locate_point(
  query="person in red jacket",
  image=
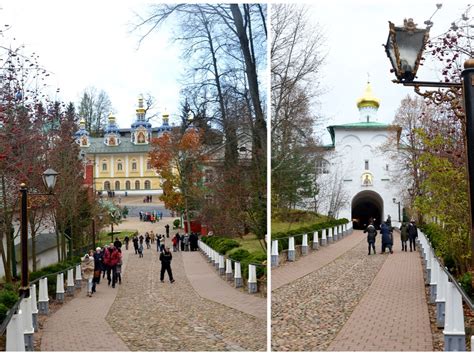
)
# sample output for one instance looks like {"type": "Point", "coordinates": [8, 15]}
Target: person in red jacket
{"type": "Point", "coordinates": [111, 259]}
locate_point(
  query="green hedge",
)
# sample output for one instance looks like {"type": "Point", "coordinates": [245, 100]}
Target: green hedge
{"type": "Point", "coordinates": [298, 233]}
{"type": "Point", "coordinates": [245, 258]}
{"type": "Point", "coordinates": [221, 244]}
{"type": "Point", "coordinates": [8, 298]}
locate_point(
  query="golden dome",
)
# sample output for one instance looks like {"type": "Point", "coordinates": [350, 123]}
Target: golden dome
{"type": "Point", "coordinates": [111, 118]}
{"type": "Point", "coordinates": [82, 121]}
{"type": "Point", "coordinates": [368, 99]}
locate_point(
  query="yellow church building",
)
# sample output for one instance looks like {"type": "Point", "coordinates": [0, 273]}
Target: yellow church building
{"type": "Point", "coordinates": [118, 162]}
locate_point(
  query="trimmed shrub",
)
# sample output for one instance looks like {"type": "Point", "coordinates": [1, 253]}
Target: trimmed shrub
{"type": "Point", "coordinates": [8, 298]}
{"type": "Point", "coordinates": [3, 312]}
{"type": "Point", "coordinates": [176, 223]}
{"type": "Point", "coordinates": [239, 254]}
{"type": "Point", "coordinates": [221, 244]}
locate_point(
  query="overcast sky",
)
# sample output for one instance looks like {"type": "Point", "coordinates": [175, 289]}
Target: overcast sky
{"type": "Point", "coordinates": [88, 43]}
{"type": "Point", "coordinates": [355, 32]}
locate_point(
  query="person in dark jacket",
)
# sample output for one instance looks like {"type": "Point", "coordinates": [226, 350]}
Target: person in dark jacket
{"type": "Point", "coordinates": [387, 240]}
{"type": "Point", "coordinates": [371, 234]}
{"type": "Point", "coordinates": [135, 244]}
{"type": "Point", "coordinates": [412, 234]}
{"type": "Point", "coordinates": [404, 235]}
{"type": "Point", "coordinates": [98, 267]}
{"type": "Point", "coordinates": [167, 228]}
{"type": "Point", "coordinates": [126, 240]}
{"type": "Point", "coordinates": [117, 243]}
{"type": "Point", "coordinates": [165, 258]}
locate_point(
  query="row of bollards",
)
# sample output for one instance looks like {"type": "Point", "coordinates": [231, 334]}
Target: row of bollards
{"type": "Point", "coordinates": [320, 238]}
{"type": "Point", "coordinates": [446, 296]}
{"type": "Point", "coordinates": [223, 266]}
{"type": "Point", "coordinates": [24, 323]}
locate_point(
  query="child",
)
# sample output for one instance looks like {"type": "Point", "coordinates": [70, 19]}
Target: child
{"type": "Point", "coordinates": [140, 250]}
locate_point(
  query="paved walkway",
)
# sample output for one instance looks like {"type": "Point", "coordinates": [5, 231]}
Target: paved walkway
{"type": "Point", "coordinates": [209, 285]}
{"type": "Point", "coordinates": [393, 314]}
{"type": "Point", "coordinates": [292, 271]}
{"type": "Point", "coordinates": [144, 314]}
{"type": "Point", "coordinates": [355, 302]}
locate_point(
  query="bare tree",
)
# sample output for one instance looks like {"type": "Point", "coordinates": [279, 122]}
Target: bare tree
{"type": "Point", "coordinates": [94, 107]}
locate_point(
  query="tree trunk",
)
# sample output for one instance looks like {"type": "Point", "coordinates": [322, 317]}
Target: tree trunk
{"type": "Point", "coordinates": [188, 219]}
{"type": "Point", "coordinates": [6, 228]}
{"type": "Point", "coordinates": [6, 265]}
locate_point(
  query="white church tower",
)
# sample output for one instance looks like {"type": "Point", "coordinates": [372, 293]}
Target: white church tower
{"type": "Point", "coordinates": [360, 168]}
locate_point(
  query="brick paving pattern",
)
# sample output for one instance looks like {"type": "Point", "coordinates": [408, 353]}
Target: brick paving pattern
{"type": "Point", "coordinates": [206, 282]}
{"type": "Point", "coordinates": [308, 313]}
{"type": "Point", "coordinates": [314, 261]}
{"type": "Point", "coordinates": [393, 314]}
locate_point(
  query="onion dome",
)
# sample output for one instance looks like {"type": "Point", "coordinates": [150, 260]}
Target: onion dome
{"type": "Point", "coordinates": [111, 126]}
{"type": "Point", "coordinates": [140, 121]}
{"type": "Point", "coordinates": [82, 136]}
{"type": "Point", "coordinates": [111, 132]}
{"type": "Point", "coordinates": [368, 99]}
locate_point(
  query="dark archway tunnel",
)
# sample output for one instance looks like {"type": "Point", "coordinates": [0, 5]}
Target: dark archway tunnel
{"type": "Point", "coordinates": [365, 205]}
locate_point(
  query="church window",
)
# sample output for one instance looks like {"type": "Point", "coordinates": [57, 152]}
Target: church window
{"type": "Point", "coordinates": [147, 185]}
{"type": "Point", "coordinates": [366, 165]}
{"type": "Point", "coordinates": [134, 165]}
{"type": "Point", "coordinates": [137, 185]}
{"type": "Point", "coordinates": [127, 185]}
{"type": "Point", "coordinates": [117, 185]}
{"type": "Point", "coordinates": [107, 186]}
{"type": "Point", "coordinates": [119, 167]}
{"type": "Point", "coordinates": [141, 137]}
{"type": "Point", "coordinates": [104, 166]}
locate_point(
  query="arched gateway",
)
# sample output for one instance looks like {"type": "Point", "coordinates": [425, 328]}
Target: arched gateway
{"type": "Point", "coordinates": [365, 205]}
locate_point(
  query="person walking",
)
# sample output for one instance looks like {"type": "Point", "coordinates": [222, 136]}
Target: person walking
{"type": "Point", "coordinates": [152, 237]}
{"type": "Point", "coordinates": [165, 258]}
{"type": "Point", "coordinates": [147, 241]}
{"type": "Point", "coordinates": [181, 241]}
{"type": "Point", "coordinates": [186, 242]}
{"type": "Point", "coordinates": [162, 243]}
{"type": "Point", "coordinates": [140, 239]}
{"type": "Point", "coordinates": [404, 235]}
{"type": "Point", "coordinates": [126, 240]}
{"type": "Point", "coordinates": [87, 267]}
{"type": "Point", "coordinates": [140, 250]}
{"type": "Point", "coordinates": [135, 244]}
{"type": "Point", "coordinates": [175, 242]}
{"type": "Point", "coordinates": [412, 234]}
{"type": "Point", "coordinates": [371, 234]}
{"type": "Point", "coordinates": [387, 240]}
{"type": "Point", "coordinates": [98, 266]}
{"type": "Point", "coordinates": [119, 269]}
{"type": "Point", "coordinates": [117, 243]}
{"type": "Point", "coordinates": [111, 258]}
{"type": "Point", "coordinates": [167, 228]}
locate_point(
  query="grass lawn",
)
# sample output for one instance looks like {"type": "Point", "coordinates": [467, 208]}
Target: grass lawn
{"type": "Point", "coordinates": [278, 226]}
{"type": "Point", "coordinates": [248, 242]}
{"type": "Point", "coordinates": [105, 237]}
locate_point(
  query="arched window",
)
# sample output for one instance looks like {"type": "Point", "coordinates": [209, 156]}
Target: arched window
{"type": "Point", "coordinates": [119, 166]}
{"type": "Point", "coordinates": [137, 185]}
{"type": "Point", "coordinates": [147, 185]}
{"type": "Point", "coordinates": [134, 165]}
{"type": "Point", "coordinates": [117, 185]}
{"type": "Point", "coordinates": [107, 186]}
{"type": "Point", "coordinates": [104, 165]}
{"type": "Point", "coordinates": [127, 185]}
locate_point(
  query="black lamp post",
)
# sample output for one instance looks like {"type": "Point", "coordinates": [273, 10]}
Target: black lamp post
{"type": "Point", "coordinates": [404, 48]}
{"type": "Point", "coordinates": [397, 203]}
{"type": "Point", "coordinates": [49, 180]}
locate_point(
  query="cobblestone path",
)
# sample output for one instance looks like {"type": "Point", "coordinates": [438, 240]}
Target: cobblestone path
{"type": "Point", "coordinates": [308, 313]}
{"type": "Point", "coordinates": [153, 316]}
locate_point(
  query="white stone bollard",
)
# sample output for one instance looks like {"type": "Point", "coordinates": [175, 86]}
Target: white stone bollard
{"type": "Point", "coordinates": [334, 234]}
{"type": "Point", "coordinates": [338, 232]}
{"type": "Point", "coordinates": [428, 266]}
{"type": "Point", "coordinates": [78, 276]}
{"type": "Point", "coordinates": [221, 265]}
{"type": "Point", "coordinates": [323, 238]}
{"type": "Point", "coordinates": [315, 240]}
{"type": "Point", "coordinates": [15, 339]}
{"type": "Point", "coordinates": [43, 299]}
{"type": "Point", "coordinates": [252, 281]}
{"type": "Point", "coordinates": [454, 334]}
{"type": "Point", "coordinates": [27, 317]}
{"type": "Point", "coordinates": [237, 275]}
{"type": "Point", "coordinates": [304, 245]}
{"type": "Point", "coordinates": [330, 236]}
{"type": "Point", "coordinates": [472, 343]}
{"type": "Point", "coordinates": [60, 288]}
{"type": "Point", "coordinates": [215, 259]}
{"type": "Point", "coordinates": [70, 282]}
{"type": "Point", "coordinates": [274, 256]}
{"type": "Point", "coordinates": [291, 249]}
{"type": "Point", "coordinates": [34, 307]}
{"type": "Point", "coordinates": [228, 270]}
{"type": "Point", "coordinates": [434, 279]}
{"type": "Point", "coordinates": [441, 290]}
{"type": "Point", "coordinates": [209, 253]}
{"type": "Point", "coordinates": [343, 230]}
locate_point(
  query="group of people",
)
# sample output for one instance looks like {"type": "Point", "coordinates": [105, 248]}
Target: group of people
{"type": "Point", "coordinates": [148, 199]}
{"type": "Point", "coordinates": [104, 261]}
{"type": "Point", "coordinates": [408, 231]}
{"type": "Point", "coordinates": [150, 216]}
{"type": "Point", "coordinates": [185, 242]}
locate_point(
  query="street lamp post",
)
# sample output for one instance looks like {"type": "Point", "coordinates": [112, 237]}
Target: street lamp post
{"type": "Point", "coordinates": [49, 180]}
{"type": "Point", "coordinates": [397, 203]}
{"type": "Point", "coordinates": [405, 46]}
